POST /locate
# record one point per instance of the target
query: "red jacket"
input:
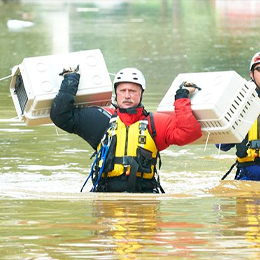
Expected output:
(179, 128)
(90, 123)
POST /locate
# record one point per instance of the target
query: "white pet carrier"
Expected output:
(36, 81)
(226, 106)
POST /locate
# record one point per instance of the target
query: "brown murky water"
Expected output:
(43, 214)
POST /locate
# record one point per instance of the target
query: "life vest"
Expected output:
(248, 150)
(132, 149)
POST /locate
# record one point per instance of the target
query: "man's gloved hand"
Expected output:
(70, 70)
(70, 81)
(190, 86)
(185, 89)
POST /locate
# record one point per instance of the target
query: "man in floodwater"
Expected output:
(127, 138)
(248, 154)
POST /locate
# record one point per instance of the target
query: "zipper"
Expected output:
(257, 130)
(126, 167)
(126, 139)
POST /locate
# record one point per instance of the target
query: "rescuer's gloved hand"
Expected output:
(185, 89)
(70, 81)
(70, 70)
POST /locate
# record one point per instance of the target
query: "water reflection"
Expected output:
(121, 229)
(146, 229)
(248, 216)
(130, 227)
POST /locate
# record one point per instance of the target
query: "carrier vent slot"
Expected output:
(19, 90)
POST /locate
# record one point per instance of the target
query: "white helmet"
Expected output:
(130, 75)
(255, 60)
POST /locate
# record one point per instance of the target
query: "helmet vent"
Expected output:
(130, 75)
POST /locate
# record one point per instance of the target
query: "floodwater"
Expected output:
(43, 214)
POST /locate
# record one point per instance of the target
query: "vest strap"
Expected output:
(152, 125)
(132, 177)
(125, 159)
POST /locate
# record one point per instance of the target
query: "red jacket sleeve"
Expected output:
(180, 128)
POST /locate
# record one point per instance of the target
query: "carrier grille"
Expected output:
(19, 90)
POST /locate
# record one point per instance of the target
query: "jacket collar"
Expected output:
(130, 116)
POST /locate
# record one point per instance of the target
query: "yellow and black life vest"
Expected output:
(131, 149)
(248, 151)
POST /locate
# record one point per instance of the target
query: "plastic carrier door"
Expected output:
(36, 82)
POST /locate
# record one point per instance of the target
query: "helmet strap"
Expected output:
(114, 105)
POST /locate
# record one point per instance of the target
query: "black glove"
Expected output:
(70, 70)
(183, 92)
(70, 83)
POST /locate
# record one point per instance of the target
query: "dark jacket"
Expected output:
(90, 123)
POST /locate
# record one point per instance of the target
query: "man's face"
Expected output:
(255, 75)
(128, 94)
